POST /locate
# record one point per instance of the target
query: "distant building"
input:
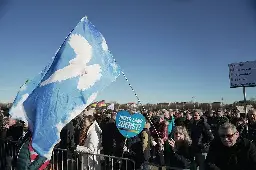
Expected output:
(216, 105)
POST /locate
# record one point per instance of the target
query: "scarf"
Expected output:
(34, 155)
(83, 136)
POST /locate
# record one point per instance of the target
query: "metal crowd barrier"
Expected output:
(173, 168)
(64, 160)
(157, 167)
(8, 154)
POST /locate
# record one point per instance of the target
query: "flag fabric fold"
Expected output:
(17, 111)
(83, 66)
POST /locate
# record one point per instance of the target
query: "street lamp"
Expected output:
(194, 102)
(222, 104)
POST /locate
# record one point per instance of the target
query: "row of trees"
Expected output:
(175, 105)
(190, 105)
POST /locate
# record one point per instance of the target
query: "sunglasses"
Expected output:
(227, 135)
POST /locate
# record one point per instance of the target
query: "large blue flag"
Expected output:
(17, 111)
(82, 67)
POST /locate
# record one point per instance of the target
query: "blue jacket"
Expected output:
(170, 125)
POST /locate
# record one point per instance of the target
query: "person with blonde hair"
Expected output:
(178, 149)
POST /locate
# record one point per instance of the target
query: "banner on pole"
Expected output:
(242, 74)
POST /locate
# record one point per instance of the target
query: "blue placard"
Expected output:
(129, 125)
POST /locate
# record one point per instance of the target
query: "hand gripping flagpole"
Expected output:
(140, 103)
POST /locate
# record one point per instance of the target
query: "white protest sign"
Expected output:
(242, 74)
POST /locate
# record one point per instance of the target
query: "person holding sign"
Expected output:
(139, 148)
(130, 126)
(160, 135)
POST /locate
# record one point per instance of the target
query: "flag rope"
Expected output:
(140, 102)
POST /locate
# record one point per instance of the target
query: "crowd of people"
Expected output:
(188, 139)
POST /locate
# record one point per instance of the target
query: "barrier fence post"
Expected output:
(60, 160)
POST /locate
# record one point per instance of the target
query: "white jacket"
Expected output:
(91, 146)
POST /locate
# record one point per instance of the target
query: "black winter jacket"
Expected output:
(242, 156)
(181, 158)
(201, 136)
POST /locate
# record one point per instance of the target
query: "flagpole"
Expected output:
(245, 105)
(193, 98)
(120, 165)
(222, 108)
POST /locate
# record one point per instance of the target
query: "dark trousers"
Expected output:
(200, 159)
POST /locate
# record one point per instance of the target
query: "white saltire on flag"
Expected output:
(82, 67)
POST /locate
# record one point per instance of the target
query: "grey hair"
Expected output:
(227, 126)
